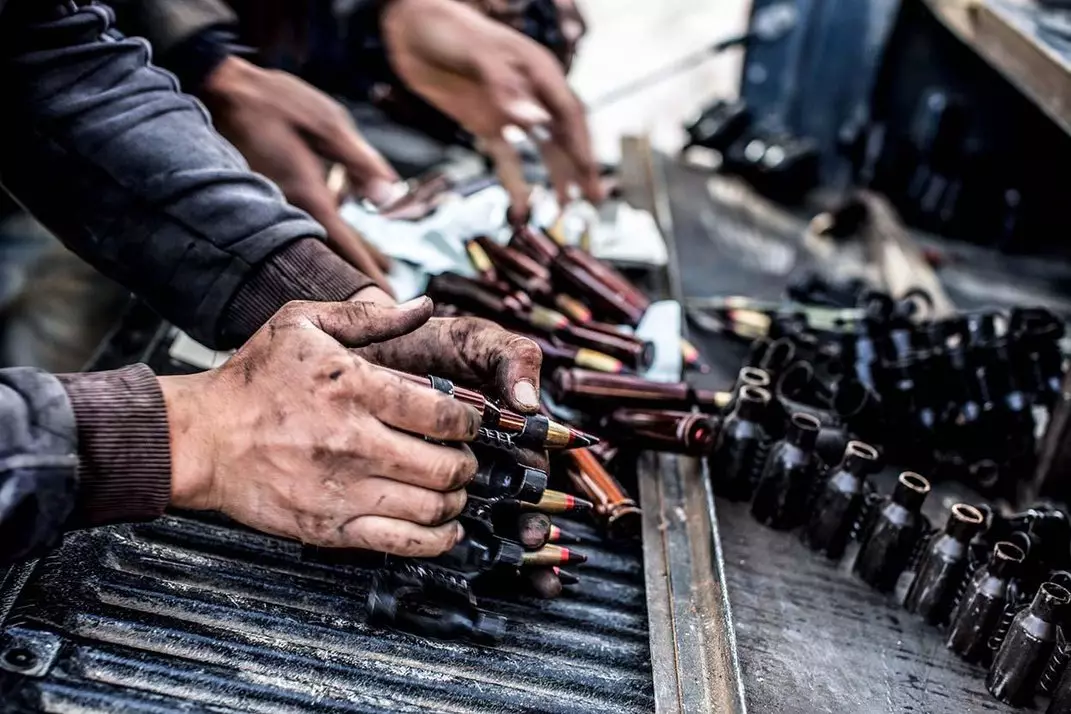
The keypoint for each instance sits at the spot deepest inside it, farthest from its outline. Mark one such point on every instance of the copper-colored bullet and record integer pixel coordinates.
(577, 311)
(604, 272)
(635, 353)
(483, 265)
(469, 295)
(673, 431)
(546, 319)
(536, 244)
(555, 354)
(606, 302)
(529, 431)
(557, 535)
(604, 392)
(618, 513)
(518, 268)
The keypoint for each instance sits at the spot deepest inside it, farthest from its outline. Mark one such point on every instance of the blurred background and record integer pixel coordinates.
(629, 38)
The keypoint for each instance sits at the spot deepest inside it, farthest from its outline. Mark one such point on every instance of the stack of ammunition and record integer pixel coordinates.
(571, 304)
(574, 305)
(510, 540)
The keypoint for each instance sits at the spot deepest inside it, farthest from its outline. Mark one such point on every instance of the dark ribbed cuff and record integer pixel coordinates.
(124, 446)
(303, 270)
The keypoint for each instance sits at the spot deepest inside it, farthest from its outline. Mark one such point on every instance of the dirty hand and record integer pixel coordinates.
(299, 436)
(286, 129)
(487, 77)
(469, 350)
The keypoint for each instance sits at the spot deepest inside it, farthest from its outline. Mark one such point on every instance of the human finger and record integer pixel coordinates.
(422, 506)
(359, 324)
(413, 460)
(398, 537)
(545, 582)
(570, 126)
(419, 410)
(509, 170)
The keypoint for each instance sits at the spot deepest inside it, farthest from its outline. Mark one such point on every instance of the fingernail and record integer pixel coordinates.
(383, 193)
(525, 394)
(415, 304)
(460, 532)
(528, 112)
(513, 134)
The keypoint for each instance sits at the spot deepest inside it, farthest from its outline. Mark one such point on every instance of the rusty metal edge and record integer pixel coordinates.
(694, 658)
(693, 642)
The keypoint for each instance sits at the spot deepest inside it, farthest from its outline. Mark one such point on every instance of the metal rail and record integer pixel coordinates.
(694, 658)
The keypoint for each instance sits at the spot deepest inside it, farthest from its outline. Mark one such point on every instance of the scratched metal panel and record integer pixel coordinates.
(195, 615)
(814, 638)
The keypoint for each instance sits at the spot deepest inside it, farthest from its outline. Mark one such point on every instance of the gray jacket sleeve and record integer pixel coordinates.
(102, 148)
(37, 461)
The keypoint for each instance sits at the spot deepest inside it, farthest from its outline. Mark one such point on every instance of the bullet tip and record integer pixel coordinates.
(557, 535)
(566, 577)
(585, 440)
(580, 504)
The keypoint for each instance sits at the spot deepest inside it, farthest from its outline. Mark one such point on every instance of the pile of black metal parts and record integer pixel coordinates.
(957, 397)
(999, 585)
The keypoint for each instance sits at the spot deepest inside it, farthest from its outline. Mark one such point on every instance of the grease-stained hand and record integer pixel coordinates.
(299, 436)
(488, 76)
(469, 350)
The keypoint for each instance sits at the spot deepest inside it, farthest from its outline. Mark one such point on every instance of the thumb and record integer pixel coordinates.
(359, 324)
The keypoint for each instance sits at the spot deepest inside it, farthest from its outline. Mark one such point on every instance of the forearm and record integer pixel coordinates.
(129, 173)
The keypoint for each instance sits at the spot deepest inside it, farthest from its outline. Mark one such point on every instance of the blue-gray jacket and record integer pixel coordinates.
(103, 149)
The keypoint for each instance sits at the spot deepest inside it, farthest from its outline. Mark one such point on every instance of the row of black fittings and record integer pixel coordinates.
(956, 397)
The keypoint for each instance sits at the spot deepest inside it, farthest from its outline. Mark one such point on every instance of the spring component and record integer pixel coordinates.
(1000, 631)
(965, 581)
(438, 578)
(762, 452)
(871, 501)
(494, 438)
(1056, 666)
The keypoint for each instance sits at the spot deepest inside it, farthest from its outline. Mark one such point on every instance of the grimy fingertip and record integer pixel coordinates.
(525, 394)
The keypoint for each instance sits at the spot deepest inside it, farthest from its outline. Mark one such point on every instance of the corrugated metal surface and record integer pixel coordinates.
(193, 615)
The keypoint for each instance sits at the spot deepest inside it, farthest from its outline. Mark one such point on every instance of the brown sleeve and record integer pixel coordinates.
(303, 270)
(124, 447)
